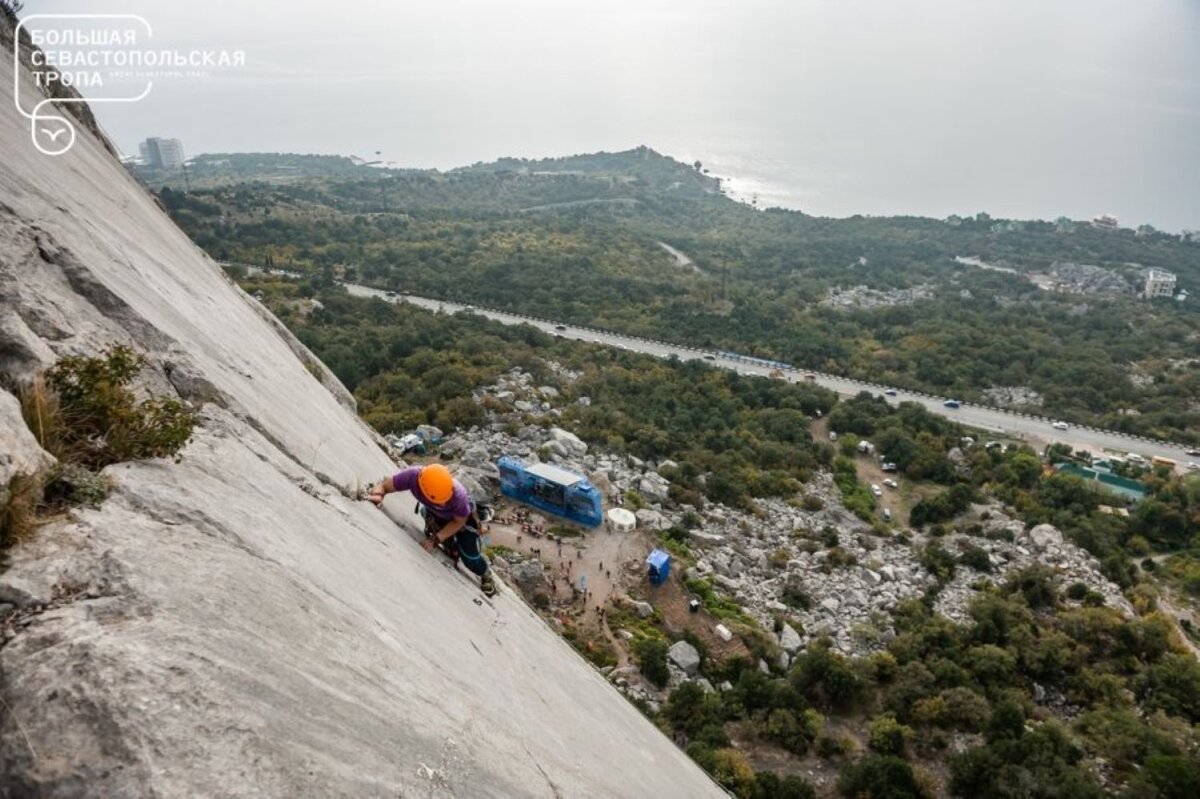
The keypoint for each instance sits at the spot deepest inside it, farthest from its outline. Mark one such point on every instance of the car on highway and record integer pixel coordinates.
(1195, 453)
(1060, 426)
(891, 392)
(887, 514)
(708, 356)
(1193, 466)
(888, 466)
(560, 327)
(890, 483)
(876, 490)
(951, 404)
(809, 376)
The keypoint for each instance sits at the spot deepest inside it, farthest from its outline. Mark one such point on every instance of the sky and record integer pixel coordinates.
(1021, 108)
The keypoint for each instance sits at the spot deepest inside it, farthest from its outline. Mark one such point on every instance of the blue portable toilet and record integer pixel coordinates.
(660, 566)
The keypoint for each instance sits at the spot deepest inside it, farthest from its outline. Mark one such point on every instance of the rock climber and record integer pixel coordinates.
(451, 520)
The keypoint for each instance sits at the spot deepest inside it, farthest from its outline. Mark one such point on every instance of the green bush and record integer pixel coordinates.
(831, 746)
(887, 736)
(771, 786)
(938, 562)
(103, 423)
(879, 777)
(1077, 591)
(976, 558)
(652, 660)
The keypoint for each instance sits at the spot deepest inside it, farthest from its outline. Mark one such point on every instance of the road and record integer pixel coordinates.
(1036, 430)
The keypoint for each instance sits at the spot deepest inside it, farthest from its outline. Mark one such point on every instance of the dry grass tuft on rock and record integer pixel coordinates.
(84, 413)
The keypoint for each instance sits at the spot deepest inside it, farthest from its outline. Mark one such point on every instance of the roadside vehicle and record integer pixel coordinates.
(951, 404)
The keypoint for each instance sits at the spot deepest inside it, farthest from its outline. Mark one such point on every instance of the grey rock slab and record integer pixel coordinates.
(685, 656)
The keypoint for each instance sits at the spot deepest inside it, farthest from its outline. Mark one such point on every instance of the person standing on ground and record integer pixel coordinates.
(450, 518)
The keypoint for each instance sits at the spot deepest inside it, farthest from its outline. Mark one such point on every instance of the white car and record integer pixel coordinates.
(876, 490)
(1060, 426)
(1192, 465)
(890, 483)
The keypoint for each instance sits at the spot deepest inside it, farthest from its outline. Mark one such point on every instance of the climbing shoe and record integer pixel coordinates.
(487, 584)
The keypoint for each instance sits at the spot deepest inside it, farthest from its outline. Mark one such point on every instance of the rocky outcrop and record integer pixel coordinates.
(232, 622)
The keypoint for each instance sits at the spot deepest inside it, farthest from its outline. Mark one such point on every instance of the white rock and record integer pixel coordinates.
(723, 632)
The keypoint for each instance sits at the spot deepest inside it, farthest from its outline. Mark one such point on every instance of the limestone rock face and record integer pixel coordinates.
(19, 450)
(230, 622)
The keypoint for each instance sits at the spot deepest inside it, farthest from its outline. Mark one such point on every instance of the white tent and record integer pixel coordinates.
(621, 520)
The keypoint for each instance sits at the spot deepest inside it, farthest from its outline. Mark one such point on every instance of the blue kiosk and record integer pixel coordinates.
(660, 566)
(552, 489)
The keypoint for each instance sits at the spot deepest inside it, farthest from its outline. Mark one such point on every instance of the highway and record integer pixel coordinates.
(1034, 429)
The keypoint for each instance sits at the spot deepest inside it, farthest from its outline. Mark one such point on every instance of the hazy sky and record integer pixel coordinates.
(1030, 108)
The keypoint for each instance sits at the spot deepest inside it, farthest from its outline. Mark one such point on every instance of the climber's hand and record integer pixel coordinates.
(376, 496)
(427, 545)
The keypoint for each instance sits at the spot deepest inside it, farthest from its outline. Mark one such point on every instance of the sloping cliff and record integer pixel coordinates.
(230, 623)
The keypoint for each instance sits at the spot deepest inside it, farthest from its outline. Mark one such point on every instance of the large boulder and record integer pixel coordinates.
(790, 640)
(653, 487)
(476, 455)
(685, 656)
(529, 576)
(1045, 536)
(570, 442)
(651, 520)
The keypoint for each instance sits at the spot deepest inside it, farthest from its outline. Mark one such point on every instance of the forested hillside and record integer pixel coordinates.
(1051, 310)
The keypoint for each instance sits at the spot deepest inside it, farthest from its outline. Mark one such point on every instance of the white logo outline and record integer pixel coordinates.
(38, 115)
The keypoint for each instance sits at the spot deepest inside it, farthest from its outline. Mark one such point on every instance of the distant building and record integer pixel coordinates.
(162, 153)
(1106, 221)
(1159, 283)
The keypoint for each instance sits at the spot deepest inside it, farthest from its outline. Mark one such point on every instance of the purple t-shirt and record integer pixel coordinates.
(458, 507)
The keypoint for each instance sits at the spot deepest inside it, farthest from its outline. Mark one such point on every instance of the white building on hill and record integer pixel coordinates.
(1159, 283)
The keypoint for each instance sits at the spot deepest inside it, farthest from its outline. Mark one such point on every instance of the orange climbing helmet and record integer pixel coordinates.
(436, 483)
